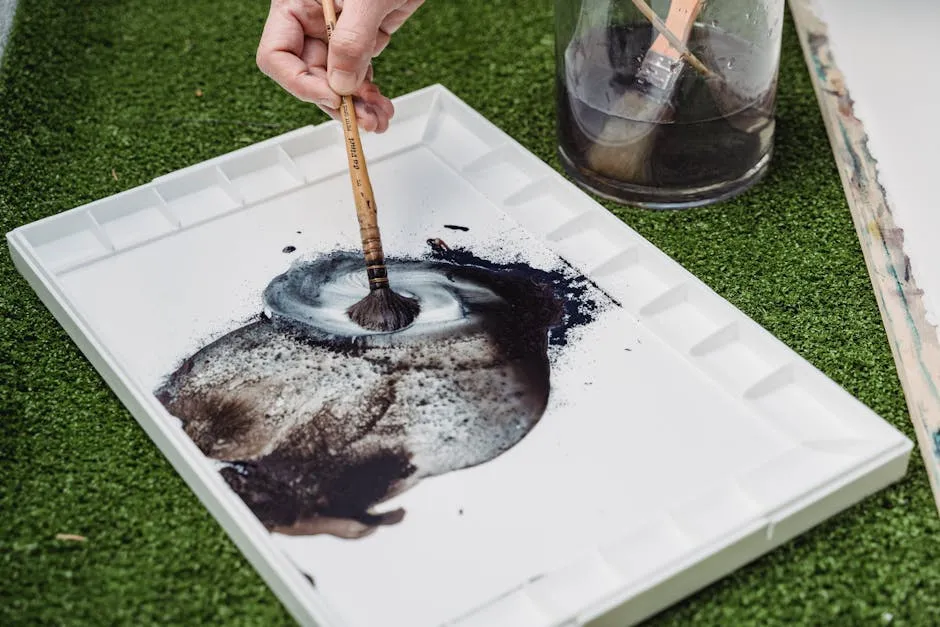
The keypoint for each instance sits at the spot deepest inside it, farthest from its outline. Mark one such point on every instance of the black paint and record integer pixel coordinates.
(289, 249)
(456, 227)
(581, 298)
(319, 428)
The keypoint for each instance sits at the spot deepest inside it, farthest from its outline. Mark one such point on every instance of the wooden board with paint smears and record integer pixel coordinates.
(575, 429)
(863, 58)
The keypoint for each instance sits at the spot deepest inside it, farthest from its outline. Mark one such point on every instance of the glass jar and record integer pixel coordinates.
(666, 120)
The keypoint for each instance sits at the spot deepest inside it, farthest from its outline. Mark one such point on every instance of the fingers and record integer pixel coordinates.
(366, 117)
(381, 41)
(394, 20)
(314, 52)
(373, 110)
(371, 94)
(292, 74)
(283, 55)
(294, 53)
(353, 44)
(372, 105)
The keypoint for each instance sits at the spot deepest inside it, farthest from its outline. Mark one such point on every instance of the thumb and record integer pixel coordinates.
(352, 43)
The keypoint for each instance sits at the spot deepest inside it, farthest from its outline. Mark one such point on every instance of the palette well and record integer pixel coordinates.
(678, 440)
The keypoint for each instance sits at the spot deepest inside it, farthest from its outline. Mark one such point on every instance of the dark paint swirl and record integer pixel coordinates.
(319, 420)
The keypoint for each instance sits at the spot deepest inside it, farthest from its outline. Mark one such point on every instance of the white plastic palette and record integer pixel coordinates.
(681, 440)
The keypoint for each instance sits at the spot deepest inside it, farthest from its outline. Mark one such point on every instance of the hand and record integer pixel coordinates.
(293, 51)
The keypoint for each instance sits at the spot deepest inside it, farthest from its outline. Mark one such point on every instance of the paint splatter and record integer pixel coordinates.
(317, 421)
(288, 249)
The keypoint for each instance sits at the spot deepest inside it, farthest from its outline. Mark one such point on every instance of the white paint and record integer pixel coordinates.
(890, 57)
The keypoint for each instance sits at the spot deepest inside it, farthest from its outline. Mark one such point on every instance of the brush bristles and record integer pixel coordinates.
(627, 162)
(384, 310)
(622, 149)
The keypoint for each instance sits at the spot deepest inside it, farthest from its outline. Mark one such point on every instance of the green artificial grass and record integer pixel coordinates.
(98, 97)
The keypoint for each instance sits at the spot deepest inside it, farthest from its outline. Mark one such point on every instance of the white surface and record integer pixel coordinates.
(654, 471)
(888, 53)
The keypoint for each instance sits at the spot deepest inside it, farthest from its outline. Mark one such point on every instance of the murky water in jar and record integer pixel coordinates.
(718, 132)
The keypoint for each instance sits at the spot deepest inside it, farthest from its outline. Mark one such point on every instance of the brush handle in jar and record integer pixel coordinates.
(359, 176)
(681, 18)
(679, 22)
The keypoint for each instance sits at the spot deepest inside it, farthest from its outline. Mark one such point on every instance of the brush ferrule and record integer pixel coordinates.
(659, 74)
(378, 276)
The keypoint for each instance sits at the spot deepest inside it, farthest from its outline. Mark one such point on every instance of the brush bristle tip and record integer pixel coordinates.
(384, 311)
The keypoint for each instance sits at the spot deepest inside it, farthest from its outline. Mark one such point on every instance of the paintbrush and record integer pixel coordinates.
(622, 149)
(382, 309)
(743, 113)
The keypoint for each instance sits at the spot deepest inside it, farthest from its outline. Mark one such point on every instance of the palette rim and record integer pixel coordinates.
(669, 302)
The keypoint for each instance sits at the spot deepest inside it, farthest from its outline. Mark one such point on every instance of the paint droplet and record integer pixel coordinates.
(456, 227)
(438, 245)
(300, 232)
(289, 249)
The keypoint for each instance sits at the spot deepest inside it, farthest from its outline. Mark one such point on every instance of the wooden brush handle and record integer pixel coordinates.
(361, 185)
(681, 18)
(679, 21)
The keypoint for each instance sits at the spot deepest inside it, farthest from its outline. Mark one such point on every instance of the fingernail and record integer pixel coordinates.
(342, 82)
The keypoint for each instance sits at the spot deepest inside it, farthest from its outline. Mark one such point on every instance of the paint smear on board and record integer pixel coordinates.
(317, 421)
